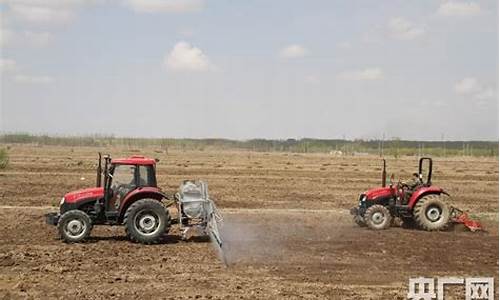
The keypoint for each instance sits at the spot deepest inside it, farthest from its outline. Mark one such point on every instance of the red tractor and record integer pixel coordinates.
(417, 203)
(126, 194)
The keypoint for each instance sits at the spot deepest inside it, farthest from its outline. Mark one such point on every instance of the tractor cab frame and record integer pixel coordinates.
(124, 180)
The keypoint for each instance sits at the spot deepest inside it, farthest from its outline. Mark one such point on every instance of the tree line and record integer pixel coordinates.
(393, 147)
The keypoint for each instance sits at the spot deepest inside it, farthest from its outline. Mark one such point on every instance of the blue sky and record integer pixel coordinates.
(246, 69)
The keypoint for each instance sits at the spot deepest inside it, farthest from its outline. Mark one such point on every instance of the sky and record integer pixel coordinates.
(419, 70)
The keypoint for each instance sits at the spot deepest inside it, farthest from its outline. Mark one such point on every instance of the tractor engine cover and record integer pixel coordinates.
(194, 199)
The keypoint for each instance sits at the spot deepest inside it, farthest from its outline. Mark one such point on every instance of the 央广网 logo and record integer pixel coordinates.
(476, 288)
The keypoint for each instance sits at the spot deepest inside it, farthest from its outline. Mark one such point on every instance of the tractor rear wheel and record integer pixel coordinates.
(146, 221)
(74, 226)
(431, 213)
(378, 217)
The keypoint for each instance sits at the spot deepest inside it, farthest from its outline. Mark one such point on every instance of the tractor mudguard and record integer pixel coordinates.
(142, 193)
(422, 192)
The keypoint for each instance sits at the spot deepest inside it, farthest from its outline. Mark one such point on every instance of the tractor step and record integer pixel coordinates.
(112, 215)
(402, 209)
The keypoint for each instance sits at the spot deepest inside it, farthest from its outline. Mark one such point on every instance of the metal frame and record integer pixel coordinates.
(208, 222)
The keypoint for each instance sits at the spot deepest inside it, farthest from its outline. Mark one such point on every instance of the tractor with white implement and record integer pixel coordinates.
(126, 193)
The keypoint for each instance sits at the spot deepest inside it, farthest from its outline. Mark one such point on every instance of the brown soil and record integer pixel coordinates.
(287, 231)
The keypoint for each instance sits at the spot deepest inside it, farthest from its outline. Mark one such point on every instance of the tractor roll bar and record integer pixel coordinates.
(429, 175)
(99, 171)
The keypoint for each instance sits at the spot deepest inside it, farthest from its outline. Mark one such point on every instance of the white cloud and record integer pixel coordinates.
(41, 13)
(44, 11)
(403, 29)
(165, 6)
(366, 74)
(467, 85)
(470, 86)
(452, 8)
(293, 51)
(10, 38)
(5, 37)
(185, 57)
(33, 79)
(486, 93)
(51, 3)
(7, 64)
(37, 39)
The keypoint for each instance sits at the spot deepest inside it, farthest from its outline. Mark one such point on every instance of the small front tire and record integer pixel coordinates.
(74, 226)
(378, 217)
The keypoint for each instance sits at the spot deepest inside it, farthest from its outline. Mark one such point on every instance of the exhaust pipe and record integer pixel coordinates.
(384, 175)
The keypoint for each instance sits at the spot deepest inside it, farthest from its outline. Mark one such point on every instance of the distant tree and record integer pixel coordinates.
(4, 158)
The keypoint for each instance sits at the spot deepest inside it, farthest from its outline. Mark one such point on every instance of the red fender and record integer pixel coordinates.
(141, 193)
(422, 192)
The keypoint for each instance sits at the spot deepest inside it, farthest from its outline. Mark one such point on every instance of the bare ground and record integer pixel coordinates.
(287, 231)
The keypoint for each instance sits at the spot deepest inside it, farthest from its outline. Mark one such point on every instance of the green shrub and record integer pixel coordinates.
(4, 158)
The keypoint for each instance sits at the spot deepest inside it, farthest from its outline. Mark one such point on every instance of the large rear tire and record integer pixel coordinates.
(378, 217)
(74, 226)
(431, 213)
(146, 221)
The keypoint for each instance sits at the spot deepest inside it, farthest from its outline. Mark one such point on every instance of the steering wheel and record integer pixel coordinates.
(403, 185)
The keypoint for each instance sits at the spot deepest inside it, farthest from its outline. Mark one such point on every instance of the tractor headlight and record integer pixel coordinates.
(362, 199)
(61, 202)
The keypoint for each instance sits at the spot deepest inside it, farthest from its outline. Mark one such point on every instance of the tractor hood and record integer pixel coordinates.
(75, 196)
(378, 192)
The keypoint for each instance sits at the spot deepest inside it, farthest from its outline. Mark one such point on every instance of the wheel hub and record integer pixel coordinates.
(75, 228)
(433, 214)
(147, 223)
(378, 217)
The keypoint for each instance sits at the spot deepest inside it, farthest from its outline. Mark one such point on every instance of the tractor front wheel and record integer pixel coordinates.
(431, 213)
(146, 221)
(378, 217)
(74, 226)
